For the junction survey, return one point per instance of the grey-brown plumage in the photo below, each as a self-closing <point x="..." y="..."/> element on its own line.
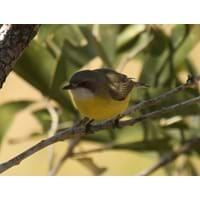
<point x="118" y="85"/>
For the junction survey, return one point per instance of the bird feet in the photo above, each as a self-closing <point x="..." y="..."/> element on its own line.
<point x="82" y="122"/>
<point x="85" y="122"/>
<point x="116" y="121"/>
<point x="88" y="126"/>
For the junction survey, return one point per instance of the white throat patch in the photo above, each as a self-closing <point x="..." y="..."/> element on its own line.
<point x="82" y="93"/>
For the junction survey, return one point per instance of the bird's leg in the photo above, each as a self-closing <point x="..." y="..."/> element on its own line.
<point x="88" y="126"/>
<point x="85" y="122"/>
<point x="82" y="122"/>
<point x="116" y="121"/>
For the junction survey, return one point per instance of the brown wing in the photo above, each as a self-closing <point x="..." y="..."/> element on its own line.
<point x="119" y="84"/>
<point x="120" y="89"/>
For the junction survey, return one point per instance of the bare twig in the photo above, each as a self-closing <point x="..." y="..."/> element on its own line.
<point x="172" y="156"/>
<point x="68" y="154"/>
<point x="76" y="132"/>
<point x="69" y="151"/>
<point x="13" y="40"/>
<point x="109" y="146"/>
<point x="155" y="100"/>
<point x="54" y="126"/>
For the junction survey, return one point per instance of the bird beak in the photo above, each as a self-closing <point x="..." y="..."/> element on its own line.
<point x="69" y="86"/>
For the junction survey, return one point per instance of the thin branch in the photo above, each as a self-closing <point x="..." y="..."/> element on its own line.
<point x="13" y="40"/>
<point x="109" y="146"/>
<point x="53" y="128"/>
<point x="69" y="152"/>
<point x="146" y="103"/>
<point x="75" y="132"/>
<point x="172" y="156"/>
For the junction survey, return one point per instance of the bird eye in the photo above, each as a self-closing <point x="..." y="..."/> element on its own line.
<point x="84" y="83"/>
<point x="88" y="85"/>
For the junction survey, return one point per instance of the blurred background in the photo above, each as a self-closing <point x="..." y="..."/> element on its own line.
<point x="33" y="107"/>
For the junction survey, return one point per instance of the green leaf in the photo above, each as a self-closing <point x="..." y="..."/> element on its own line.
<point x="177" y="125"/>
<point x="108" y="38"/>
<point x="160" y="145"/>
<point x="179" y="32"/>
<point x="140" y="43"/>
<point x="91" y="165"/>
<point x="192" y="169"/>
<point x="70" y="33"/>
<point x="100" y="136"/>
<point x="190" y="66"/>
<point x="155" y="59"/>
<point x="190" y="42"/>
<point x="71" y="60"/>
<point x="7" y="114"/>
<point x="59" y="33"/>
<point x="96" y="46"/>
<point x="44" y="119"/>
<point x="36" y="66"/>
<point x="47" y="30"/>
<point x="128" y="34"/>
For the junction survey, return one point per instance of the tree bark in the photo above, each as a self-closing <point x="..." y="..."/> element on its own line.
<point x="13" y="40"/>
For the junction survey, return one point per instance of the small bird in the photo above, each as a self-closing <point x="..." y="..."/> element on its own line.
<point x="102" y="93"/>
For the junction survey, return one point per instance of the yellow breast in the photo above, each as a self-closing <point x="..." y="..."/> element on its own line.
<point x="98" y="108"/>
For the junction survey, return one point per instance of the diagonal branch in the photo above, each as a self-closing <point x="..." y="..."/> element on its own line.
<point x="13" y="40"/>
<point x="172" y="156"/>
<point x="75" y="132"/>
<point x="146" y="103"/>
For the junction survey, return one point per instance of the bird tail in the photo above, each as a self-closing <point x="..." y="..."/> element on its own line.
<point x="139" y="84"/>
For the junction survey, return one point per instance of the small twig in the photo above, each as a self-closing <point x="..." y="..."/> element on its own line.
<point x="69" y="151"/>
<point x="75" y="132"/>
<point x="53" y="128"/>
<point x="68" y="154"/>
<point x="172" y="156"/>
<point x="146" y="103"/>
